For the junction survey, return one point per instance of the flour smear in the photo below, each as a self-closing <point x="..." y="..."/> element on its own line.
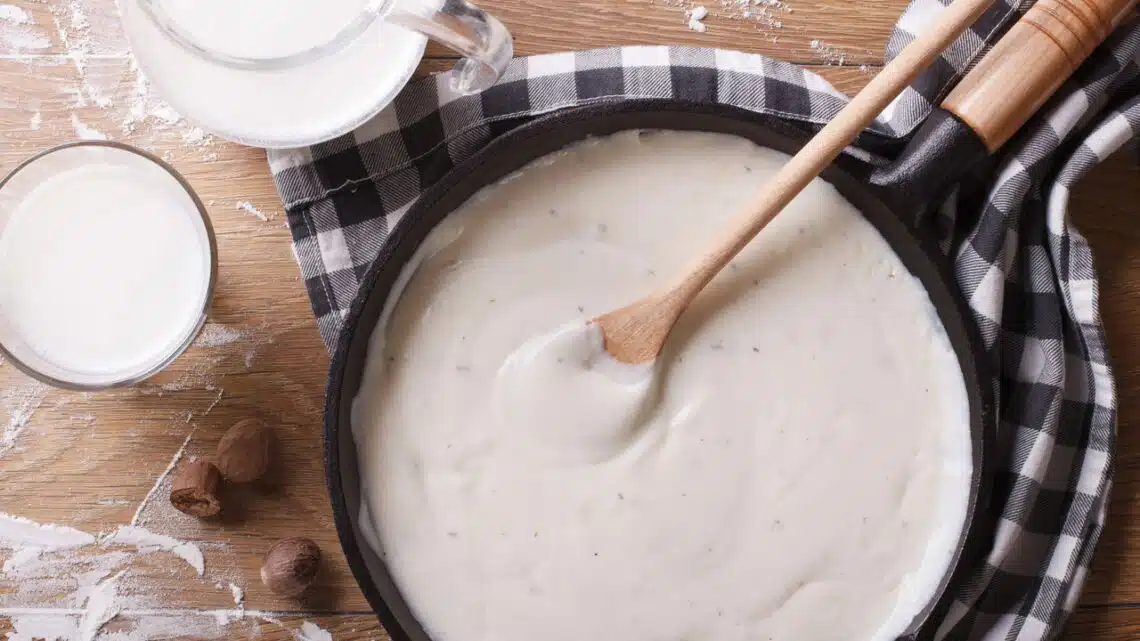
<point x="104" y="84"/>
<point x="60" y="581"/>
<point x="70" y="585"/>
<point x="766" y="16"/>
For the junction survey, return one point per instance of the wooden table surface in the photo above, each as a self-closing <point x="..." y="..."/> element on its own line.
<point x="88" y="461"/>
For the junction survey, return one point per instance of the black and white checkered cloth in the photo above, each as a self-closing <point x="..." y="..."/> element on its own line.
<point x="1026" y="272"/>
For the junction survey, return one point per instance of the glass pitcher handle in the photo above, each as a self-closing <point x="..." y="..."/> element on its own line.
<point x="484" y="42"/>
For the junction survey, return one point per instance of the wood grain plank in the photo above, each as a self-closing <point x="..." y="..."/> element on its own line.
<point x="855" y="29"/>
<point x="1103" y="624"/>
<point x="1105" y="205"/>
<point x="1086" y="624"/>
<point x="270" y="626"/>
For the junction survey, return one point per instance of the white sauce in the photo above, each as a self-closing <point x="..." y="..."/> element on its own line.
<point x="282" y="107"/>
<point x="796" y="466"/>
<point x="104" y="265"/>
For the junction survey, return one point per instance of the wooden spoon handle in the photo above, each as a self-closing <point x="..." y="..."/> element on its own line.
<point x="1029" y="63"/>
<point x="826" y="145"/>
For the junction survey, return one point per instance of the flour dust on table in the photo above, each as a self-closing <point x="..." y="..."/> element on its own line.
<point x="755" y="484"/>
<point x="73" y="585"/>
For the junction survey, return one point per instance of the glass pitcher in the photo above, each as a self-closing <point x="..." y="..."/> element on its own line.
<point x="292" y="73"/>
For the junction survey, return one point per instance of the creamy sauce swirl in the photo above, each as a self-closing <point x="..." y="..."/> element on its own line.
<point x="795" y="466"/>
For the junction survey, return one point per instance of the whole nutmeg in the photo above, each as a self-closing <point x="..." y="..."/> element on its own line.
<point x="194" y="490"/>
<point x="244" y="452"/>
<point x="291" y="566"/>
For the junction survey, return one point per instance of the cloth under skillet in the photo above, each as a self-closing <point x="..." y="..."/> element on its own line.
<point x="1025" y="271"/>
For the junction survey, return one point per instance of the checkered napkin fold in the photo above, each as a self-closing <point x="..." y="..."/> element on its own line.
<point x="1025" y="271"/>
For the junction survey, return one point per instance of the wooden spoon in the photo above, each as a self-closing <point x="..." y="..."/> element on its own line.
<point x="637" y="332"/>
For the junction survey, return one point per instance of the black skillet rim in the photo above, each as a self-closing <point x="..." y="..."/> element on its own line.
<point x="546" y="134"/>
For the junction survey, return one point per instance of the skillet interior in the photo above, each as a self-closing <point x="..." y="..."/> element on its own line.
<point x="546" y="135"/>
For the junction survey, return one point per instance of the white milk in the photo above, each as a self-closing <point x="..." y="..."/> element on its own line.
<point x="283" y="107"/>
<point x="105" y="265"/>
<point x="262" y="28"/>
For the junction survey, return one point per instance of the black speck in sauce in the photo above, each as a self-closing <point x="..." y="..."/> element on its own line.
<point x="756" y="282"/>
<point x="747" y="169"/>
<point x="453" y="534"/>
<point x="493" y="300"/>
<point x="463" y="368"/>
<point x="581" y="308"/>
<point x="621" y="496"/>
<point x="756" y="349"/>
<point x="719" y="345"/>
<point x="553" y="212"/>
<point x="603" y="228"/>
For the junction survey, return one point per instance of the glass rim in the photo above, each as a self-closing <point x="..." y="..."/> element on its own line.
<point x="211" y="281"/>
<point x="369" y="13"/>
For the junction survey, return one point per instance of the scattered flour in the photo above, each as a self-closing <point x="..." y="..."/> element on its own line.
<point x="17" y="533"/>
<point x="14" y="15"/>
<point x="162" y="477"/>
<point x="312" y="632"/>
<point x="85" y="131"/>
<point x="20" y="402"/>
<point x="218" y="335"/>
<point x="192" y="136"/>
<point x="830" y="55"/>
<point x="695" y="15"/>
<point x="239" y="595"/>
<point x="63" y="583"/>
<point x="147" y="542"/>
<point x="246" y="206"/>
<point x="124" y="99"/>
<point x="100" y="607"/>
<point x="18" y="33"/>
<point x="765" y="15"/>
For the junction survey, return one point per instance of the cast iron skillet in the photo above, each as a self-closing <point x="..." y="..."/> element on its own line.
<point x="549" y="134"/>
<point x="894" y="198"/>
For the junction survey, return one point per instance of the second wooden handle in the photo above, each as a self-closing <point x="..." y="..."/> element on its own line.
<point x="1029" y="63"/>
